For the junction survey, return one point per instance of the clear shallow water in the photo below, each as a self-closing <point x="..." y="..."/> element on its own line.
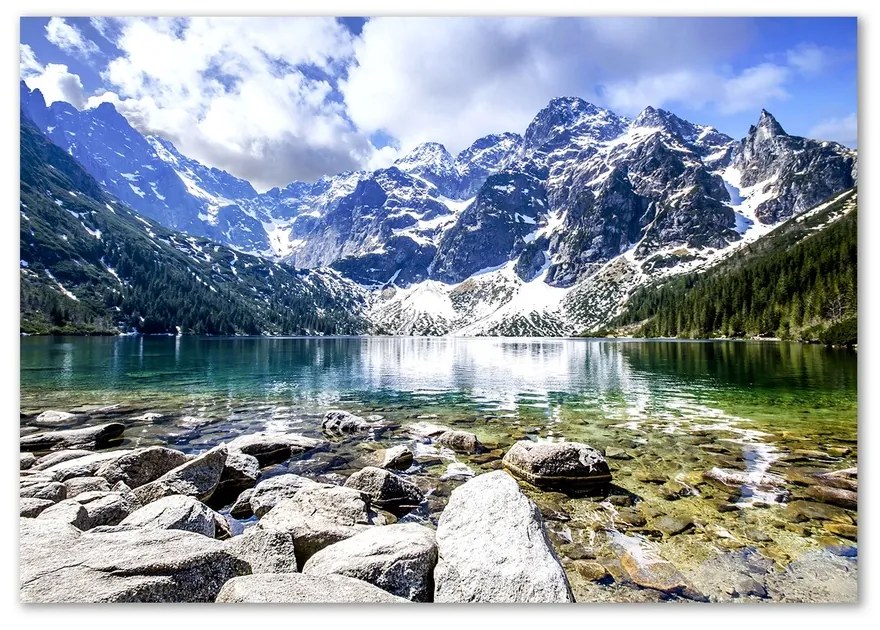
<point x="674" y="409"/>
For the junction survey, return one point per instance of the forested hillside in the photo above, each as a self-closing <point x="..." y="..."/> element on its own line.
<point x="91" y="265"/>
<point x="799" y="282"/>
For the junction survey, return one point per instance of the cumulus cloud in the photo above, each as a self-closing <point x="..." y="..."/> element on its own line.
<point x="250" y="95"/>
<point x="455" y="79"/>
<point x="57" y="83"/>
<point x="70" y="39"/>
<point x="844" y="130"/>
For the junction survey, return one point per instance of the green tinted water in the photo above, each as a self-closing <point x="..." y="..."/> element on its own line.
<point x="672" y="410"/>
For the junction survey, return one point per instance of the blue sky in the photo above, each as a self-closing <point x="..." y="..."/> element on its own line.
<point x="294" y="98"/>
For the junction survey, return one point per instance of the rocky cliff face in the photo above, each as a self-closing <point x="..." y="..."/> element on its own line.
<point x="536" y="214"/>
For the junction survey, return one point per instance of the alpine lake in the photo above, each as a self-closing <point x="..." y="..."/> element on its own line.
<point x="664" y="412"/>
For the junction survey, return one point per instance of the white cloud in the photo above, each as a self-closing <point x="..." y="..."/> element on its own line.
<point x="57" y="83"/>
<point x="28" y="63"/>
<point x="70" y="39"/>
<point x="239" y="93"/>
<point x="755" y="87"/>
<point x="456" y="79"/>
<point x="844" y="130"/>
<point x="808" y="58"/>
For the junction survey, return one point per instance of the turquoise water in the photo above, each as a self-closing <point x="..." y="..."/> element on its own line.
<point x="672" y="409"/>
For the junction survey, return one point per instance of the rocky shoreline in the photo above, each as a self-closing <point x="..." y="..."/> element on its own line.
<point x="100" y="523"/>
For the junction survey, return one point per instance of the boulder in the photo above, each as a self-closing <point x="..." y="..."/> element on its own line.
<point x="67" y="512"/>
<point x="101" y="508"/>
<point x="460" y="442"/>
<point x="338" y="422"/>
<point x="320" y="515"/>
<point x="835" y="496"/>
<point x="457" y="471"/>
<point x="31" y="508"/>
<point x="426" y="429"/>
<point x="240" y="472"/>
<point x="56" y="457"/>
<point x="78" y="485"/>
<point x="43" y="488"/>
<point x="85" y="466"/>
<point x="493" y="547"/>
<point x="658" y="574"/>
<point x="566" y="466"/>
<point x="197" y="478"/>
<point x="97" y="436"/>
<point x="270" y="491"/>
<point x="26" y="460"/>
<point x="59" y="564"/>
<point x="395" y="458"/>
<point x="385" y="489"/>
<point x="142" y="465"/>
<point x="739" y="478"/>
<point x="176" y="511"/>
<point x="265" y="550"/>
<point x="296" y="588"/>
<point x="272" y="448"/>
<point x="241" y="508"/>
<point x="397" y="558"/>
<point x="53" y="418"/>
<point x="224" y="526"/>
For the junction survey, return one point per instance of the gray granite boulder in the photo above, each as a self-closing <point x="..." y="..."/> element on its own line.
<point x="53" y="418"/>
<point x="60" y="564"/>
<point x="85" y="466"/>
<point x="394" y="458"/>
<point x="31" y="508"/>
<point x="320" y="515"/>
<point x="338" y="422"/>
<point x="97" y="436"/>
<point x="397" y="558"/>
<point x="269" y="492"/>
<point x="42" y="488"/>
<point x="460" y="442"/>
<point x="240" y="472"/>
<point x="198" y="478"/>
<point x="142" y="465"/>
<point x="385" y="489"/>
<point x="56" y="457"/>
<point x="296" y="588"/>
<point x="566" y="466"/>
<point x="493" y="547"/>
<point x="265" y="550"/>
<point x="26" y="460"/>
<point x="176" y="511"/>
<point x="78" y="485"/>
<point x="241" y="508"/>
<point x="271" y="448"/>
<point x="99" y="507"/>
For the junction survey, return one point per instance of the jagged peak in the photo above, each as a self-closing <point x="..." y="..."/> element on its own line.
<point x="768" y="127"/>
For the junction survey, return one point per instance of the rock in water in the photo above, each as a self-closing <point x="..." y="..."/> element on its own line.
<point x="142" y="465"/>
<point x="53" y="418"/>
<point x="97" y="436"/>
<point x="739" y="478"/>
<point x="394" y="458"/>
<point x="318" y="516"/>
<point x="398" y="558"/>
<point x="386" y="489"/>
<point x="338" y="422"/>
<point x="265" y="550"/>
<point x="272" y="448"/>
<point x="567" y="466"/>
<point x="270" y="491"/>
<point x="175" y="512"/>
<point x="460" y="442"/>
<point x="295" y="588"/>
<point x="239" y="473"/>
<point x="835" y="496"/>
<point x="493" y="547"/>
<point x="59" y="564"/>
<point x="197" y="478"/>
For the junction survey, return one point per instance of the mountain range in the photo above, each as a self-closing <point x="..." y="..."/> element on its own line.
<point x="544" y="232"/>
